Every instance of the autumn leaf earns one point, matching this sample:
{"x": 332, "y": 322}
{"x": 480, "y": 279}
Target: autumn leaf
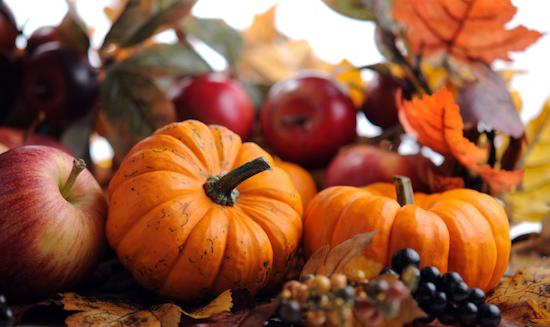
{"x": 488, "y": 100}
{"x": 96, "y": 312}
{"x": 223, "y": 303}
{"x": 436, "y": 122}
{"x": 346, "y": 257}
{"x": 524, "y": 298}
{"x": 531, "y": 201}
{"x": 351, "y": 78}
{"x": 139, "y": 20}
{"x": 270, "y": 56}
{"x": 468, "y": 30}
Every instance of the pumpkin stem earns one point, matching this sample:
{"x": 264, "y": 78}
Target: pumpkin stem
{"x": 78, "y": 166}
{"x": 222, "y": 189}
{"x": 404, "y": 190}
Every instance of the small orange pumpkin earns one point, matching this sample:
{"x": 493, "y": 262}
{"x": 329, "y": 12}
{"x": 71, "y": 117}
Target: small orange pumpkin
{"x": 302, "y": 179}
{"x": 193, "y": 212}
{"x": 459, "y": 230}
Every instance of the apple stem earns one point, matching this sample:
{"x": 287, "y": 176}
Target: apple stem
{"x": 222, "y": 189}
{"x": 78, "y": 166}
{"x": 32, "y": 128}
{"x": 403, "y": 190}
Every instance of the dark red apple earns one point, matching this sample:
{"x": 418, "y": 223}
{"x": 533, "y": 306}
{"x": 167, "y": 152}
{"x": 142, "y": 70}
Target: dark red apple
{"x": 306, "y": 119}
{"x": 11, "y": 138}
{"x": 41, "y": 36}
{"x": 379, "y": 106}
{"x": 60, "y": 83}
{"x": 362, "y": 165}
{"x": 215, "y": 99}
{"x": 8, "y": 28}
{"x": 52, "y": 218}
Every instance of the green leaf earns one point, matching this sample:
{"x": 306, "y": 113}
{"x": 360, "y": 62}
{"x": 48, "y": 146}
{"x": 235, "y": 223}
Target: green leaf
{"x": 216, "y": 34}
{"x": 134, "y": 108}
{"x": 166, "y": 59}
{"x": 351, "y": 8}
{"x": 72, "y": 32}
{"x": 141, "y": 19}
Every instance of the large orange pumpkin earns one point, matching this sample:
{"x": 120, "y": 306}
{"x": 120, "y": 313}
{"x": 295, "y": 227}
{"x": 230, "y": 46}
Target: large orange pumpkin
{"x": 459, "y": 230}
{"x": 302, "y": 179}
{"x": 193, "y": 212}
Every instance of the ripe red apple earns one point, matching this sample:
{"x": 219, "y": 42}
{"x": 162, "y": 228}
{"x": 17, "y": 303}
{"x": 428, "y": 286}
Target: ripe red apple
{"x": 41, "y": 36}
{"x": 379, "y": 106}
{"x": 362, "y": 165}
{"x": 8, "y": 28}
{"x": 306, "y": 119}
{"x": 11, "y": 138}
{"x": 60, "y": 83}
{"x": 215, "y": 98}
{"x": 52, "y": 217}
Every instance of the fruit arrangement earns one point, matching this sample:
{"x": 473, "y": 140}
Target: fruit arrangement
{"x": 318, "y": 300}
{"x": 142, "y": 185}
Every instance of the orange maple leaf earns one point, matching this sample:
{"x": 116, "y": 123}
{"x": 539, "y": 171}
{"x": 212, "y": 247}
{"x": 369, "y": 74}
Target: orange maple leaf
{"x": 468, "y": 29}
{"x": 436, "y": 122}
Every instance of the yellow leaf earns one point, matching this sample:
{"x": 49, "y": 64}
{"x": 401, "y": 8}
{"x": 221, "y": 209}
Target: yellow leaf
{"x": 270, "y": 56}
{"x": 262, "y": 29}
{"x": 531, "y": 201}
{"x": 223, "y": 303}
{"x": 524, "y": 297}
{"x": 97, "y": 312}
{"x": 327, "y": 260}
{"x": 350, "y": 77}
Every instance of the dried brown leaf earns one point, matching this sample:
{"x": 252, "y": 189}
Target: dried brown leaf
{"x": 525, "y": 297}
{"x": 328, "y": 260}
{"x": 97, "y": 312}
{"x": 223, "y": 303}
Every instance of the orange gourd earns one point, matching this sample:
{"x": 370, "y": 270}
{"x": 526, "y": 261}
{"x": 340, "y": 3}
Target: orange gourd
{"x": 193, "y": 212}
{"x": 302, "y": 179}
{"x": 459, "y": 230}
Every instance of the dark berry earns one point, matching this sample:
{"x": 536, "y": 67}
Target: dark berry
{"x": 467, "y": 313}
{"x": 477, "y": 296}
{"x": 6, "y": 316}
{"x": 450, "y": 278}
{"x": 429, "y": 274}
{"x": 447, "y": 318}
{"x": 489, "y": 315}
{"x": 458, "y": 292}
{"x": 425, "y": 292}
{"x": 410, "y": 276}
{"x": 346, "y": 293}
{"x": 290, "y": 311}
{"x": 387, "y": 271}
{"x": 404, "y": 258}
{"x": 3, "y": 300}
{"x": 425, "y": 320}
{"x": 438, "y": 303}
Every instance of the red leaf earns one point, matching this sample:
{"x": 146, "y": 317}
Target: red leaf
{"x": 468, "y": 29}
{"x": 436, "y": 122}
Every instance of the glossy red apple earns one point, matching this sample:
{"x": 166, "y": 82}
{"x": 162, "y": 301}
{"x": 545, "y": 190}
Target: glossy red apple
{"x": 60, "y": 83}
{"x": 306, "y": 119}
{"x": 11, "y": 138}
{"x": 215, "y": 99}
{"x": 8, "y": 28}
{"x": 52, "y": 217}
{"x": 379, "y": 106}
{"x": 42, "y": 35}
{"x": 361, "y": 165}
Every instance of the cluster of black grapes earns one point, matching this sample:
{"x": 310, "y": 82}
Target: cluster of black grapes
{"x": 6, "y": 315}
{"x": 445, "y": 297}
